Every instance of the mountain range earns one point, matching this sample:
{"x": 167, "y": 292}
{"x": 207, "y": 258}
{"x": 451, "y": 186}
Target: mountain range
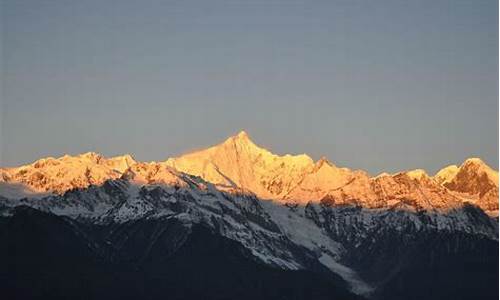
{"x": 235, "y": 220}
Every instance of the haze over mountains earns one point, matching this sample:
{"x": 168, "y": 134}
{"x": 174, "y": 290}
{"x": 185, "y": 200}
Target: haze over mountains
{"x": 239, "y": 164}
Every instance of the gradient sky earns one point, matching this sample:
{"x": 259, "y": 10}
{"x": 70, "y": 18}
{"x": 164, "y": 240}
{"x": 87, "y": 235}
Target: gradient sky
{"x": 376, "y": 85}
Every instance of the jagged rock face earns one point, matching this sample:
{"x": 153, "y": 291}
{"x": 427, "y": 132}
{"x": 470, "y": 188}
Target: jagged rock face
{"x": 154, "y": 173}
{"x": 44, "y": 256}
{"x": 397, "y": 191}
{"x": 287, "y": 212}
{"x": 319, "y": 236}
{"x": 446, "y": 174}
{"x": 474, "y": 177}
{"x": 240, "y": 217}
{"x": 238, "y": 164}
{"x": 319, "y": 180}
{"x": 489, "y": 201}
{"x": 473, "y": 181}
{"x": 67, "y": 172}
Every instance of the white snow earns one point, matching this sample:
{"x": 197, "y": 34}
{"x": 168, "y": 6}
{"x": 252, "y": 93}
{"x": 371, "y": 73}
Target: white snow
{"x": 358, "y": 286}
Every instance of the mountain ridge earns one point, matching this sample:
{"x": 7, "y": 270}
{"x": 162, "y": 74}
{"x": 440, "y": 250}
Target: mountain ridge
{"x": 287, "y": 212}
{"x": 238, "y": 163}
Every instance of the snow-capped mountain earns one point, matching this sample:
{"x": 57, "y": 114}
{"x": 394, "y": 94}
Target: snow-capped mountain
{"x": 473, "y": 181}
{"x": 238, "y": 163}
{"x": 286, "y": 212}
{"x": 51, "y": 175}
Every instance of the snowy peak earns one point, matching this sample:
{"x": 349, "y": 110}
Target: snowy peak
{"x": 91, "y": 156}
{"x": 479, "y": 168}
{"x": 446, "y": 174}
{"x": 319, "y": 181}
{"x": 242, "y": 144}
{"x": 418, "y": 174}
{"x": 472, "y": 168}
{"x": 406, "y": 190}
{"x": 474, "y": 182}
{"x": 239, "y": 162}
{"x": 323, "y": 162}
{"x": 241, "y": 137}
{"x": 156, "y": 174}
{"x": 473, "y": 177}
{"x": 121, "y": 163}
{"x": 474, "y": 161}
{"x": 65, "y": 173}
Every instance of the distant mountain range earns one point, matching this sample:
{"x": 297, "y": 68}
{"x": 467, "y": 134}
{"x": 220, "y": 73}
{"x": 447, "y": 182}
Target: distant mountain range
{"x": 236, "y": 221}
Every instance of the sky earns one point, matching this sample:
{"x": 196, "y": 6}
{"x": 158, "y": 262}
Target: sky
{"x": 373, "y": 85}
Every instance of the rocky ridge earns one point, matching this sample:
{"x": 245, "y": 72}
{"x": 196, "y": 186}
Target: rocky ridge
{"x": 238, "y": 163}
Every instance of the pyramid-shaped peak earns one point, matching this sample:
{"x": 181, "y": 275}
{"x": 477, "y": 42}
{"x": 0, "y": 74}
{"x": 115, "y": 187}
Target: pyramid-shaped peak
{"x": 323, "y": 161}
{"x": 477, "y": 165}
{"x": 474, "y": 161}
{"x": 242, "y": 138}
{"x": 243, "y": 135}
{"x": 243, "y": 142}
{"x": 417, "y": 174}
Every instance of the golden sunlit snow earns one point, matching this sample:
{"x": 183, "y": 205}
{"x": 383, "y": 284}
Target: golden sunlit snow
{"x": 239, "y": 164}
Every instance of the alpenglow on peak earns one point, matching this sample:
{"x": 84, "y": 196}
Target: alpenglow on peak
{"x": 239, "y": 163}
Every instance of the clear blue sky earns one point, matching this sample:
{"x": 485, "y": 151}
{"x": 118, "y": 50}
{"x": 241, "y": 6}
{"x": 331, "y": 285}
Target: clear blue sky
{"x": 377, "y": 85}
